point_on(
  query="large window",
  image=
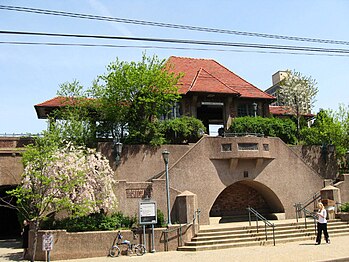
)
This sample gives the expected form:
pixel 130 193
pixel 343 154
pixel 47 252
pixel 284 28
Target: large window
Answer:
pixel 175 112
pixel 245 110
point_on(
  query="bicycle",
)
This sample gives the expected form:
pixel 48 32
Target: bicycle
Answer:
pixel 115 250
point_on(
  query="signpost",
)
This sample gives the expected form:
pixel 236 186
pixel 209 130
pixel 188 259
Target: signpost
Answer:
pixel 148 216
pixel 47 244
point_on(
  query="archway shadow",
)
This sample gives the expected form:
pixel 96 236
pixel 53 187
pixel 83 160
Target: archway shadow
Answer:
pixel 231 204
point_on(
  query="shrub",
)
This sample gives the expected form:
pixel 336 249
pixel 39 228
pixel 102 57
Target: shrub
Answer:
pixel 285 129
pixel 93 222
pixel 182 130
pixel 161 218
pixel 344 207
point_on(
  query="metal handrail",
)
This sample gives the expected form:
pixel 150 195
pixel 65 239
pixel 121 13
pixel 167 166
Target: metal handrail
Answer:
pixel 242 134
pixel 166 231
pixel 313 215
pixel 19 135
pixel 300 206
pixel 312 199
pixel 263 219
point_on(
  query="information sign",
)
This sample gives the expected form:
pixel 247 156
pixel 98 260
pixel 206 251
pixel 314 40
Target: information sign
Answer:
pixel 47 242
pixel 147 212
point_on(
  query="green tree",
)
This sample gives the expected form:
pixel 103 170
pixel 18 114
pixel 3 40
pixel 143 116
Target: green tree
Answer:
pixel 329 127
pixel 298 93
pixel 76 121
pixel 132 96
pixel 128 103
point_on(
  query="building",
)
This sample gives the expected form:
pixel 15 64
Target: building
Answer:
pixel 215 94
pixel 277 108
pixel 273 90
pixel 209 91
pixel 221 176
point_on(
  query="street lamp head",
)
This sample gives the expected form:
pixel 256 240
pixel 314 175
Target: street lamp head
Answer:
pixel 118 148
pixel 254 105
pixel 117 152
pixel 165 155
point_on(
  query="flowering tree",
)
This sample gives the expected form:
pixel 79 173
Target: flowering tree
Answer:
pixel 298 93
pixel 76 180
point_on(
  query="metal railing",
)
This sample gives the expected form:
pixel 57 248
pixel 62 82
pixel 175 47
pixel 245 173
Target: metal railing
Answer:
pixel 264 220
pixel 19 135
pixel 196 216
pixel 311 214
pixel 300 206
pixel 302 209
pixel 242 134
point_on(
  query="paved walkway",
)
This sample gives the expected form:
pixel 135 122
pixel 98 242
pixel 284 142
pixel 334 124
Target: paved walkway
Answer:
pixel 305 251
pixel 338 250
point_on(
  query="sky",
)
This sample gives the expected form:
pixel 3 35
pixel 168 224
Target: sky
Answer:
pixel 31 74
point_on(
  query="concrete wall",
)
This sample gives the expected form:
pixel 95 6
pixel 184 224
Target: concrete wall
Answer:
pixel 97 244
pixel 343 186
pixel 206 169
pixel 319 158
pixel 11 166
pixel 140 163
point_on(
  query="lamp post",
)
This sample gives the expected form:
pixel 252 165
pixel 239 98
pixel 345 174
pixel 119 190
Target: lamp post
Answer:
pixel 254 105
pixel 117 151
pixel 165 155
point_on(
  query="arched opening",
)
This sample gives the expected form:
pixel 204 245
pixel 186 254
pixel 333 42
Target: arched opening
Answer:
pixel 232 202
pixel 9 223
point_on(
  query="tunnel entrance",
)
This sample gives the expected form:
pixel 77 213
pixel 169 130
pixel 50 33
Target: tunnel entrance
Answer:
pixel 9 222
pixel 232 202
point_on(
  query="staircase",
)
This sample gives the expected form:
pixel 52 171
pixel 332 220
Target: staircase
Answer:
pixel 230 235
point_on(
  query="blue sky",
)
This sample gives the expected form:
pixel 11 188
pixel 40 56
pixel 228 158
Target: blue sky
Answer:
pixel 32 74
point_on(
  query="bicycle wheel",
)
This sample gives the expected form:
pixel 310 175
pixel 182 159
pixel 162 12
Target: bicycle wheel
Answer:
pixel 114 251
pixel 139 250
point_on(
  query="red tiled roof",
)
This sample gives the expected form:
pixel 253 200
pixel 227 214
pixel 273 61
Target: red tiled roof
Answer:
pixel 212 72
pixel 44 108
pixel 279 110
pixel 57 102
pixel 205 82
pixel 284 111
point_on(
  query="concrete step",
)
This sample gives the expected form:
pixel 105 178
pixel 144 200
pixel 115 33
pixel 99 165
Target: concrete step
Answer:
pixel 198 242
pixel 240 236
pixel 220 246
pixel 278 231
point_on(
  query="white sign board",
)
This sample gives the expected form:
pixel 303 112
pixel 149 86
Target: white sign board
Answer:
pixel 147 212
pixel 47 242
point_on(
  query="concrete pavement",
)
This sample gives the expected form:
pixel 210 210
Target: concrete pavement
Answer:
pixel 338 250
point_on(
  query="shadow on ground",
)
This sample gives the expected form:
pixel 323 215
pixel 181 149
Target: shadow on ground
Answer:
pixel 11 250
